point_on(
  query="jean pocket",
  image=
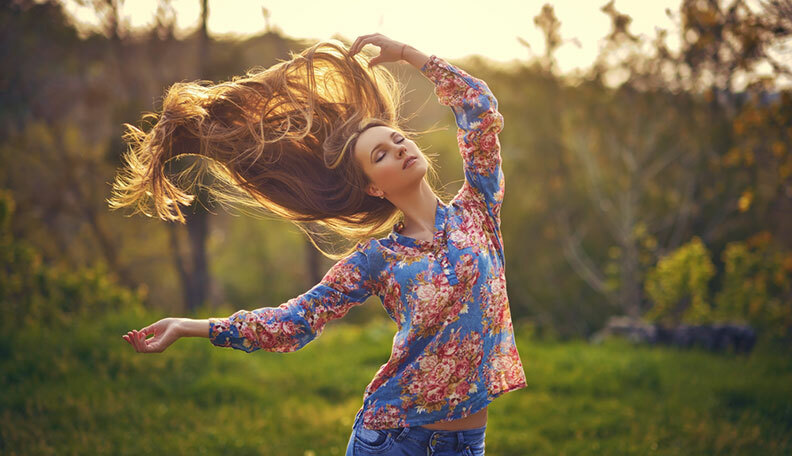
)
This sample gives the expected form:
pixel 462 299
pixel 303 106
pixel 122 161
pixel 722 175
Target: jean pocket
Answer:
pixel 373 439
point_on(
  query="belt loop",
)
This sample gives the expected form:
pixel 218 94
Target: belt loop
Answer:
pixel 460 440
pixel 403 434
pixel 432 442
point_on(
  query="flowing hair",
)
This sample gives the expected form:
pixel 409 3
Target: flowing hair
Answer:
pixel 278 139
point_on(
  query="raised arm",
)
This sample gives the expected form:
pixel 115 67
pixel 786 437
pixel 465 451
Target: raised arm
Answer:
pixel 475 109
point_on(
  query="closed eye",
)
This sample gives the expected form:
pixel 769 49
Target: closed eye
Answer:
pixel 383 154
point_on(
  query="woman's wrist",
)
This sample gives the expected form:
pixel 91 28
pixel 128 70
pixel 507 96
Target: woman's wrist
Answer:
pixel 414 57
pixel 189 327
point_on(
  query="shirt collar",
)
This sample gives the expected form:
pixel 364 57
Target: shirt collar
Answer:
pixel 439 227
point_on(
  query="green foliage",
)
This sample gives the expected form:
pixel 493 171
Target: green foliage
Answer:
pixel 756 286
pixel 50 295
pixel 678 285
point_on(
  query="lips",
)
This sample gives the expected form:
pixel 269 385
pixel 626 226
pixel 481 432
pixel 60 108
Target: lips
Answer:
pixel 408 161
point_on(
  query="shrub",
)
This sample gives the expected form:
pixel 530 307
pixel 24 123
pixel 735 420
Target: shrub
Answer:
pixel 32 292
pixel 756 285
pixel 677 285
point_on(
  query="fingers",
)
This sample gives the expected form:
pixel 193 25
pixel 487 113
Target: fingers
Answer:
pixel 354 47
pixel 142 344
pixel 136 340
pixel 360 42
pixel 130 338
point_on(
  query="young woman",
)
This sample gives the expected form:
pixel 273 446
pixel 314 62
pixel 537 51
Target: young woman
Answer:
pixel 334 155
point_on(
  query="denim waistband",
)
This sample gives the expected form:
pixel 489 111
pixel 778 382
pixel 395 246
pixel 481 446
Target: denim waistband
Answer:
pixel 434 438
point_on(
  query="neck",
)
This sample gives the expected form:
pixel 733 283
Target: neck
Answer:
pixel 418 207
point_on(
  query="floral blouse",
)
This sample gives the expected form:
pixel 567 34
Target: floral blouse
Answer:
pixel 454 351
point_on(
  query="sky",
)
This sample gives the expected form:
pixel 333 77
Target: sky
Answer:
pixel 448 29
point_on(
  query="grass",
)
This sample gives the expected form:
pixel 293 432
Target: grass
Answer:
pixel 83 390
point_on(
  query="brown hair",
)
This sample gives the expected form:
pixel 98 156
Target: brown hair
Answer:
pixel 275 140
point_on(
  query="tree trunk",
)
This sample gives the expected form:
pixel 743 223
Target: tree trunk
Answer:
pixel 195 280
pixel 313 261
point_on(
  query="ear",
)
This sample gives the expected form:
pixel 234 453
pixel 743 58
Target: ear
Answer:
pixel 374 191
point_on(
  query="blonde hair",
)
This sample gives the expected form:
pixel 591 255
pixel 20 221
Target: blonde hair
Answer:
pixel 275 141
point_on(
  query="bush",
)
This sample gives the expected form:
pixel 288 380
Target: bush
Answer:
pixel 678 286
pixel 756 286
pixel 48 295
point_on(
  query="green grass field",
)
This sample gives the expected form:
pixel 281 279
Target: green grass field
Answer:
pixel 84 391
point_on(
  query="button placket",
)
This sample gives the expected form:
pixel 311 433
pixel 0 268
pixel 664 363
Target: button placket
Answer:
pixel 441 253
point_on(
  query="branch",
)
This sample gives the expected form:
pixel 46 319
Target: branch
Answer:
pixel 576 257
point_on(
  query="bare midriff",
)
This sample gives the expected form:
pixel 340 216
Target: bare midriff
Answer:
pixel 476 420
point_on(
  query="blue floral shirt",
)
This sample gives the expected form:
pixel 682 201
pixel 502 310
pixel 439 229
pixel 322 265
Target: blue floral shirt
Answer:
pixel 454 351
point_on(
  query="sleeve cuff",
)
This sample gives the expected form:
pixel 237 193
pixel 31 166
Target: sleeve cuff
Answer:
pixel 216 327
pixel 428 63
pixel 433 67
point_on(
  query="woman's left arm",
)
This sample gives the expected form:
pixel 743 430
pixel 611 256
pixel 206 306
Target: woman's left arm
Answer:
pixel 390 50
pixel 476 113
pixel 414 57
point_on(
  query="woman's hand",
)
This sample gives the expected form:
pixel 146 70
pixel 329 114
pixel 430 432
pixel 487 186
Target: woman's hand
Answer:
pixel 390 50
pixel 166 332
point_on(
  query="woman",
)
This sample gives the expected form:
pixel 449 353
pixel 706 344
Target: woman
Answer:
pixel 334 155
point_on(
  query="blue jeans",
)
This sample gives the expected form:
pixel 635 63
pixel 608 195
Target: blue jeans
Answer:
pixel 415 440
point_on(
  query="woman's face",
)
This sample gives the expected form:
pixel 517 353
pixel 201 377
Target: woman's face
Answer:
pixel 382 153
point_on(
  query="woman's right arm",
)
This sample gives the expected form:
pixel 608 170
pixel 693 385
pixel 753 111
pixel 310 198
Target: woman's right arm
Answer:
pixel 293 324
pixel 285 328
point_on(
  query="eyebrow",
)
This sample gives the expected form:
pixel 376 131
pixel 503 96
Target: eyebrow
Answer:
pixel 371 156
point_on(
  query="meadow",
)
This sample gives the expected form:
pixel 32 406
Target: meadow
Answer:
pixel 82 390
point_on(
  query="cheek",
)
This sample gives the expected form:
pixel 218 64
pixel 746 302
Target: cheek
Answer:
pixel 385 171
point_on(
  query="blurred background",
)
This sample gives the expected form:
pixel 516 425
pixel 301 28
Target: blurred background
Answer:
pixel 647 149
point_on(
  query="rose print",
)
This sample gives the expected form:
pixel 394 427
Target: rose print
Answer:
pixel 459 238
pixel 385 417
pixel 430 303
pixel 435 380
pixel 462 370
pixel 426 292
pixel 503 369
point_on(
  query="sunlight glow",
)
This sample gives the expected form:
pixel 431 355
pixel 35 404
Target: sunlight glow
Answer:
pixel 449 29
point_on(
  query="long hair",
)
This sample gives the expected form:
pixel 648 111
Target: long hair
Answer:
pixel 278 139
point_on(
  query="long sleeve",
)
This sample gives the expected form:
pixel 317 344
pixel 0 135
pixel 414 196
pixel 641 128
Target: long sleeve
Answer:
pixel 476 111
pixel 293 324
